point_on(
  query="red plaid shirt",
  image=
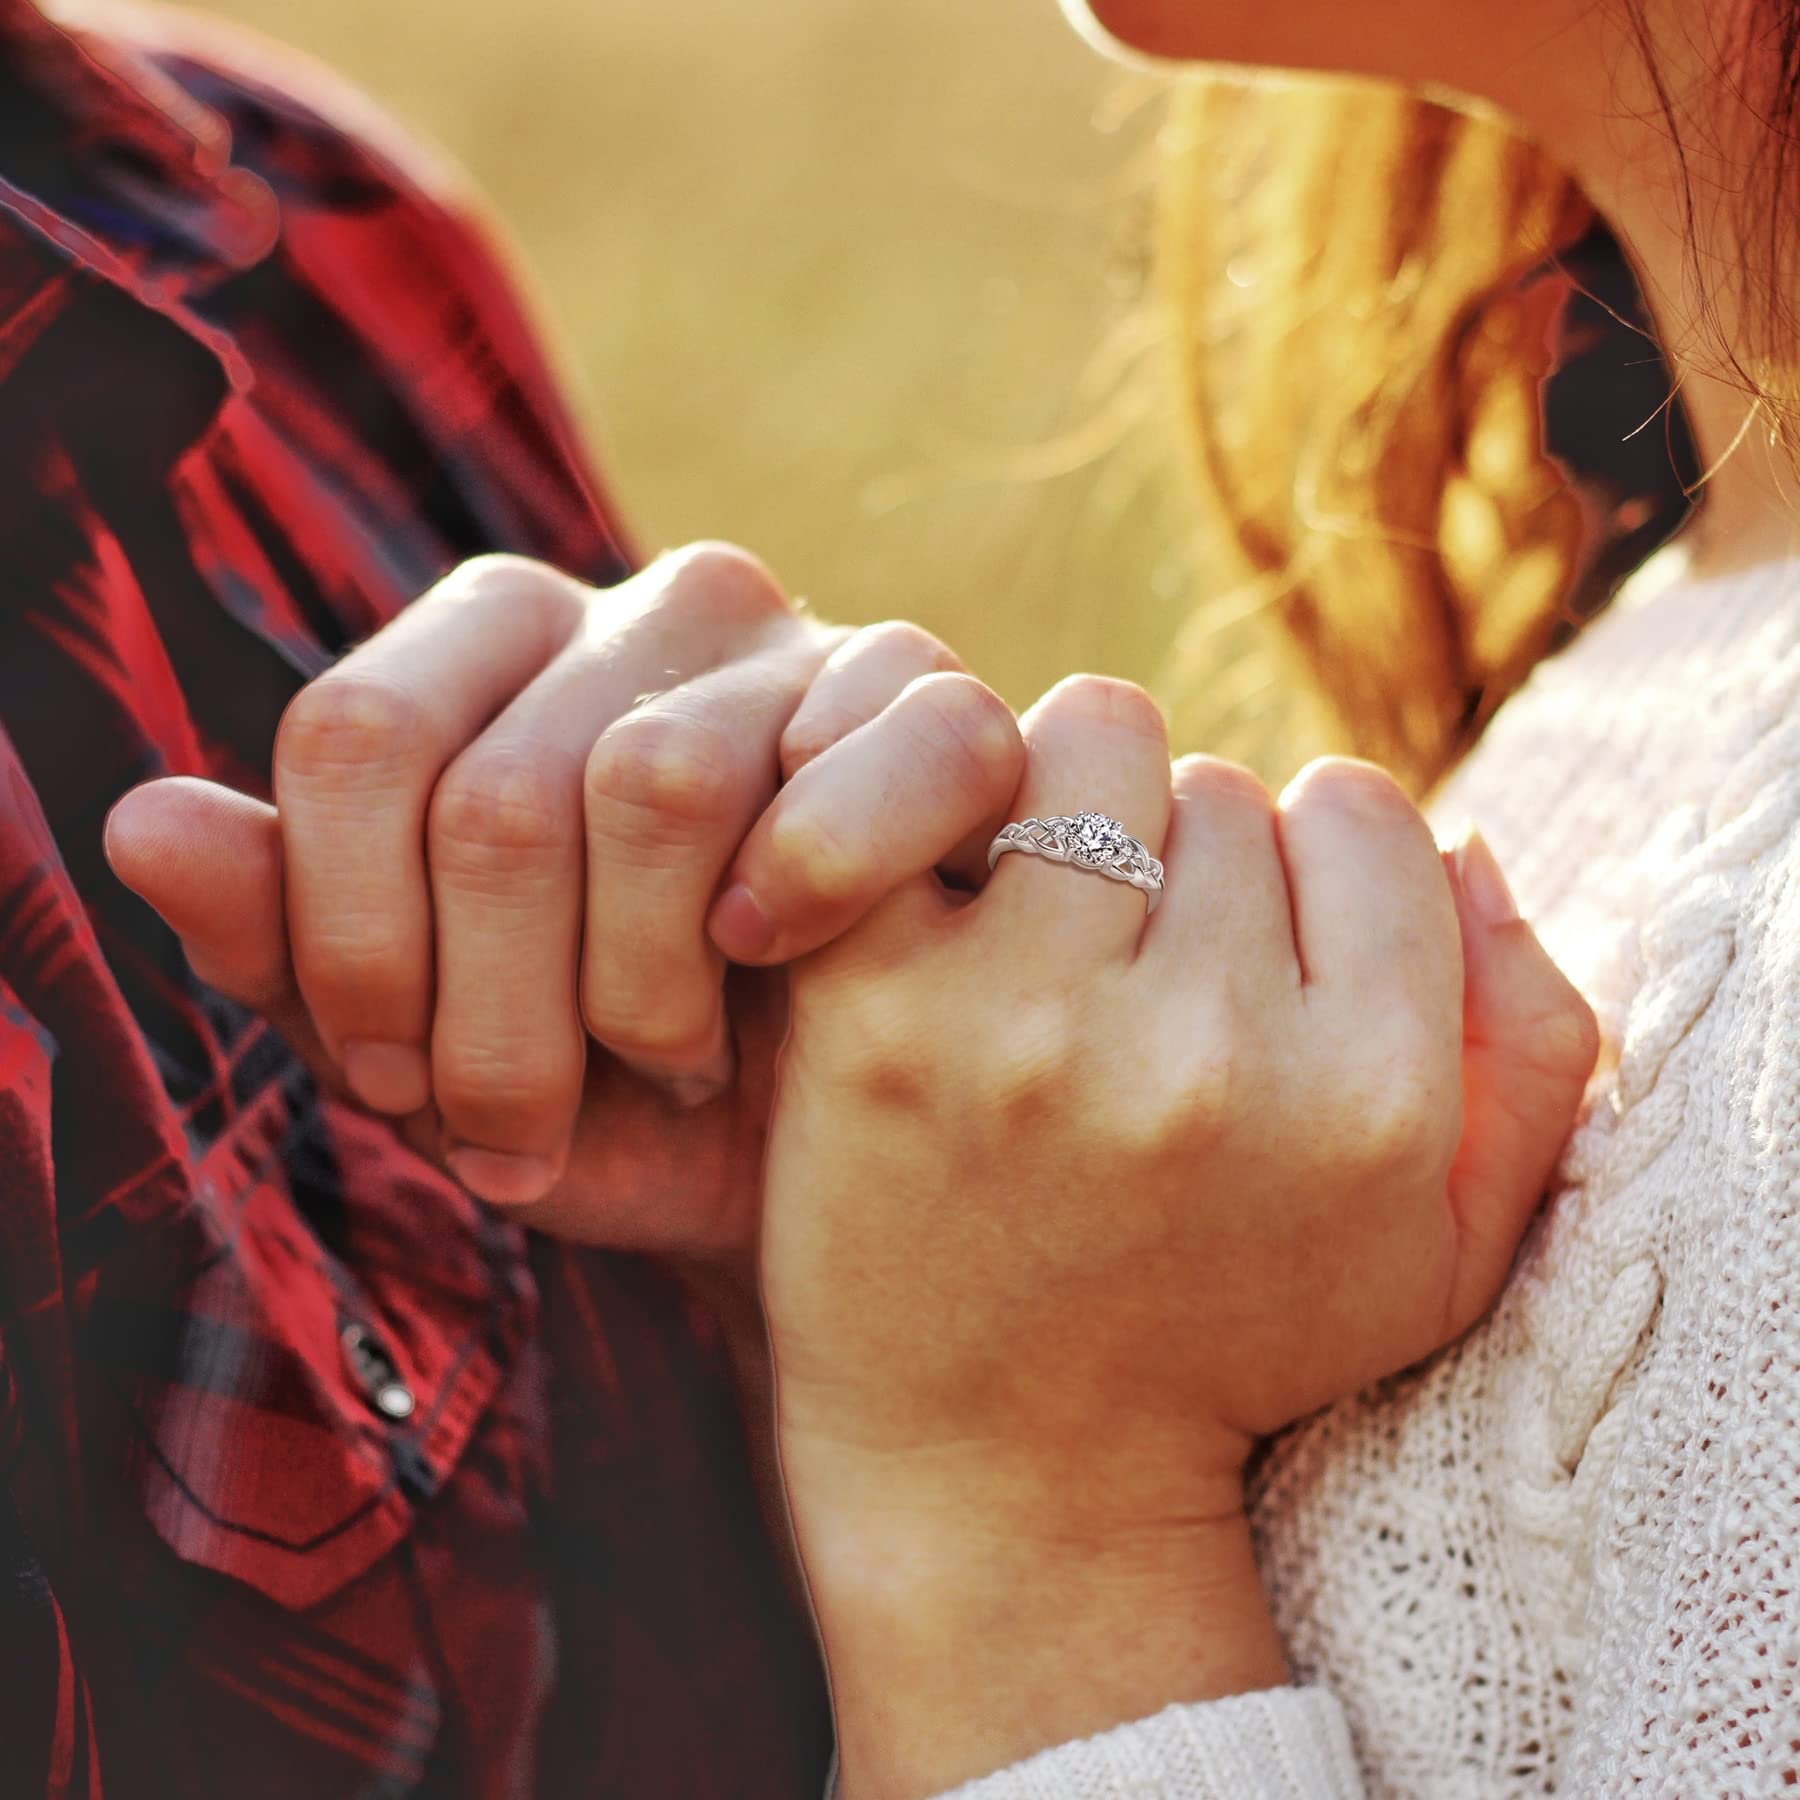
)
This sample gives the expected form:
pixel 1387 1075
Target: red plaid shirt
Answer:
pixel 315 1478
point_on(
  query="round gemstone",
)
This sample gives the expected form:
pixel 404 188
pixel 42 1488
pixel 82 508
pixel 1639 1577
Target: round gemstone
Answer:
pixel 1096 838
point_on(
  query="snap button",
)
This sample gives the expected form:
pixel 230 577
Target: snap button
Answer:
pixel 376 1373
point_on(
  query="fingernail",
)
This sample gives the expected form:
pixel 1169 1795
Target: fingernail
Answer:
pixel 739 926
pixel 502 1178
pixel 389 1078
pixel 109 844
pixel 1478 872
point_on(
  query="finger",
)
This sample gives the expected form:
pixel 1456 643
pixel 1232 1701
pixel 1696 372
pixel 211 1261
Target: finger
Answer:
pixel 935 772
pixel 1374 922
pixel 504 848
pixel 1092 744
pixel 1529 1045
pixel 861 678
pixel 356 760
pixel 1225 917
pixel 510 872
pixel 209 860
pixel 671 791
pixel 659 1178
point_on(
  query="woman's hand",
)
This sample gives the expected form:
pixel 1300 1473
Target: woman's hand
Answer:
pixel 1065 1207
pixel 500 827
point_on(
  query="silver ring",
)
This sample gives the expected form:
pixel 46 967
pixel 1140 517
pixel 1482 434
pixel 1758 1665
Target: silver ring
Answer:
pixel 1090 840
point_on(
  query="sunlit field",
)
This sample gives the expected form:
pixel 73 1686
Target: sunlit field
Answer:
pixel 857 284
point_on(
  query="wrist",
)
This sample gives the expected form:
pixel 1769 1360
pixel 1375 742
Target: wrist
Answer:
pixel 965 1632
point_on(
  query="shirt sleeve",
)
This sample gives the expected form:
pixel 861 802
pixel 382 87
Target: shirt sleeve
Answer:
pixel 1281 1744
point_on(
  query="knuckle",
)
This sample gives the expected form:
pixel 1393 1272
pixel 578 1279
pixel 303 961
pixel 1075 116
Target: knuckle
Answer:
pixel 1189 1101
pixel 971 733
pixel 1355 786
pixel 876 1039
pixel 864 1009
pixel 519 585
pixel 1210 1096
pixel 1567 1036
pixel 901 641
pixel 496 1078
pixel 659 775
pixel 900 646
pixel 814 855
pixel 723 582
pixel 349 724
pixel 809 736
pixel 497 569
pixel 368 953
pixel 500 808
pixel 501 574
pixel 1212 778
pixel 1026 1065
pixel 1109 701
pixel 1583 1027
pixel 1029 1093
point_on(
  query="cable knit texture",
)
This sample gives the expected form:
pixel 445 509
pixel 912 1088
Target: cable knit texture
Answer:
pixel 1286 1745
pixel 1560 1559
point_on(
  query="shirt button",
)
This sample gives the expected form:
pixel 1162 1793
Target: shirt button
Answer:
pixel 376 1373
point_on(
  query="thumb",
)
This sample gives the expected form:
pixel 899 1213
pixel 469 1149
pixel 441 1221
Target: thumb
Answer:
pixel 209 860
pixel 1529 1045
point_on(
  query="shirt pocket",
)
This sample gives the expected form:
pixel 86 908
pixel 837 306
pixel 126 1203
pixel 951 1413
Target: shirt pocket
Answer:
pixel 304 1344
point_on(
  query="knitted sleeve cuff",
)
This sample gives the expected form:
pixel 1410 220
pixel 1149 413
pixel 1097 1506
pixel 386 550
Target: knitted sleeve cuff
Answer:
pixel 1282 1744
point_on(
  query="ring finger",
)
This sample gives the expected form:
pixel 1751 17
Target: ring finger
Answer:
pixel 1094 745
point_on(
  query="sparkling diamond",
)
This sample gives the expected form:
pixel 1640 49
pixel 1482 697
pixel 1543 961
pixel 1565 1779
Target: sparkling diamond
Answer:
pixel 1096 838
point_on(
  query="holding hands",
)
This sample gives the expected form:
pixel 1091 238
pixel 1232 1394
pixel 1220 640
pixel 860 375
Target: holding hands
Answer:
pixel 1063 1205
pixel 481 900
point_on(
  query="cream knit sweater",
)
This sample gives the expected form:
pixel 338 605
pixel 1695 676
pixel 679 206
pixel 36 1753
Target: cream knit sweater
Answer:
pixel 1564 1558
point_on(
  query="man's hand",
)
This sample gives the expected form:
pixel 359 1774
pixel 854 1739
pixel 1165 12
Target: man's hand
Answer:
pixel 500 828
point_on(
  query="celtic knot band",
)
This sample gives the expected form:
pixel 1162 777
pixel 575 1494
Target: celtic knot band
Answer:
pixel 1089 840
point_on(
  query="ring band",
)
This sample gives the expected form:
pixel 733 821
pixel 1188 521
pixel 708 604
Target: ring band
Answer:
pixel 1089 840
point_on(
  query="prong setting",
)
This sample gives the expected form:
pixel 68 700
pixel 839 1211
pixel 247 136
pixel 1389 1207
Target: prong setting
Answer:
pixel 1089 840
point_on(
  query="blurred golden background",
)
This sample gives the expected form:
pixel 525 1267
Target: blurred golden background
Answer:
pixel 861 286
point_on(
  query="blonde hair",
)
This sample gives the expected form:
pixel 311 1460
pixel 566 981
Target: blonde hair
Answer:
pixel 1340 265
